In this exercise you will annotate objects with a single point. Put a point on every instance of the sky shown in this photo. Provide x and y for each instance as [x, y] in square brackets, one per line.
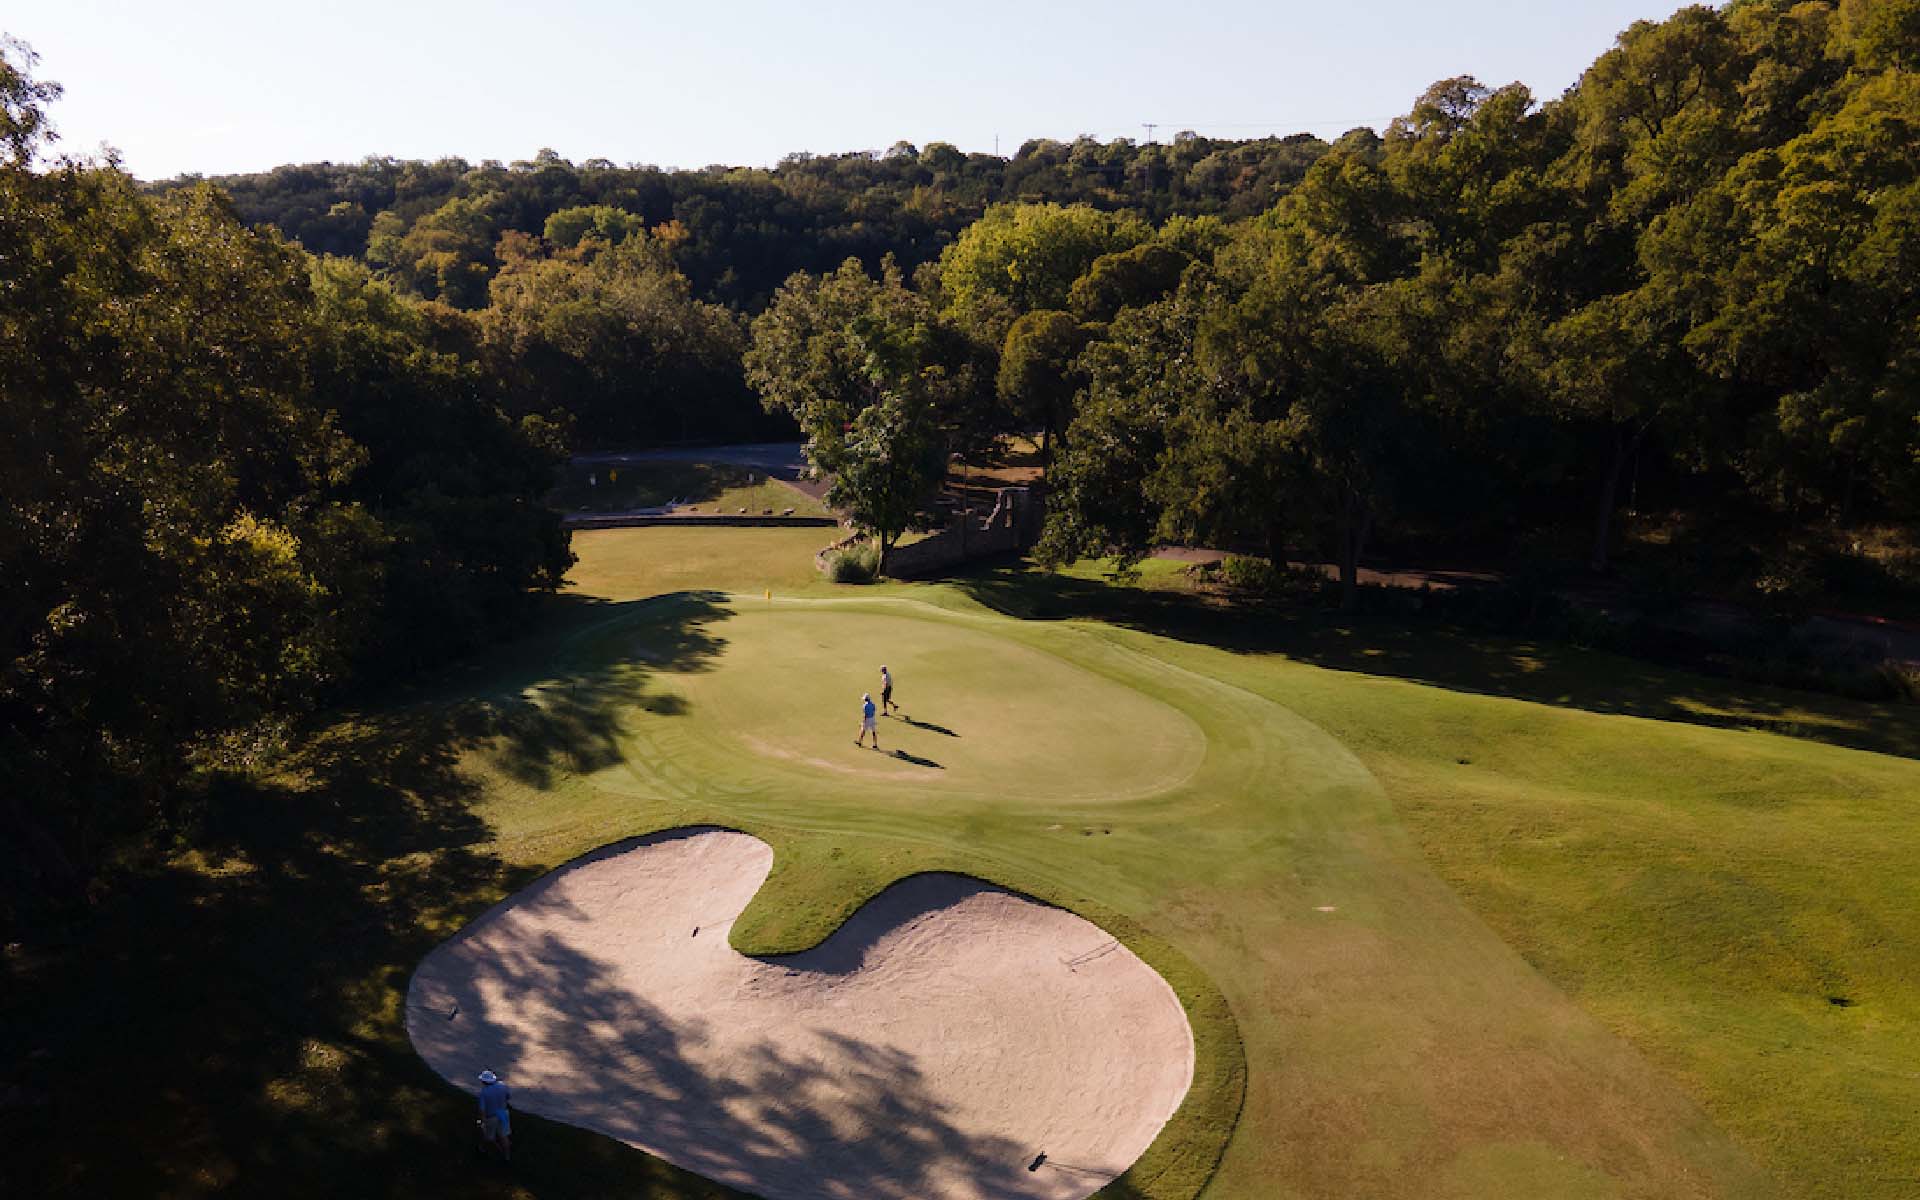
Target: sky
[222, 86]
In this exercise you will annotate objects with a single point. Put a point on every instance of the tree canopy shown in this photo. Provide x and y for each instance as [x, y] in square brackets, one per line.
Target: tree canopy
[235, 481]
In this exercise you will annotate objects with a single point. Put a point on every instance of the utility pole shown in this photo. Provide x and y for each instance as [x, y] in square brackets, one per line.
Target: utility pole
[1150, 126]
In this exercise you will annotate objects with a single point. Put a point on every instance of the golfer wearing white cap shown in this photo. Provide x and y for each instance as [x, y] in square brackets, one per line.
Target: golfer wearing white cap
[867, 725]
[495, 1125]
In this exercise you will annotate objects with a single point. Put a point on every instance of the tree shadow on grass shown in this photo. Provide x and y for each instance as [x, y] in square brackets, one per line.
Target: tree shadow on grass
[230, 1022]
[1427, 651]
[570, 719]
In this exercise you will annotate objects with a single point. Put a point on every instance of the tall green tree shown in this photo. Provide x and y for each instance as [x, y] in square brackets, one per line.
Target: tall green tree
[610, 334]
[220, 462]
[1038, 377]
[830, 346]
[892, 461]
[1795, 274]
[1020, 258]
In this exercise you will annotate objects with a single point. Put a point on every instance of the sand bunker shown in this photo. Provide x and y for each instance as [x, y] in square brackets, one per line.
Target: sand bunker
[936, 1045]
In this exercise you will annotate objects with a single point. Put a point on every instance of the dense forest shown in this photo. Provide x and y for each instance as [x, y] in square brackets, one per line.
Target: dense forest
[236, 482]
[271, 437]
[1688, 285]
[642, 344]
[1685, 278]
[740, 232]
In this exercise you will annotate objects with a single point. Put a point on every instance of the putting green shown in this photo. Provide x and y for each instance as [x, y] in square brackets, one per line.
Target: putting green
[979, 713]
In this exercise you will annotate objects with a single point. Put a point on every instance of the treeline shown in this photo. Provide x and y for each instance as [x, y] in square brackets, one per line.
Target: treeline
[1697, 273]
[235, 481]
[614, 299]
[739, 232]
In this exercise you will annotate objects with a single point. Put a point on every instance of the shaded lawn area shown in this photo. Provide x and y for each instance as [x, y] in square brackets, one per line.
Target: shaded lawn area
[1162, 601]
[710, 487]
[230, 1023]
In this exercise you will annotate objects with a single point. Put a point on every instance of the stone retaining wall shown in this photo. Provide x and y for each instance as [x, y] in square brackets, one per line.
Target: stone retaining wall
[1012, 526]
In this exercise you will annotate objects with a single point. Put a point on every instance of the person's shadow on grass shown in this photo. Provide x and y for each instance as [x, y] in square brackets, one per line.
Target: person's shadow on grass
[929, 726]
[916, 760]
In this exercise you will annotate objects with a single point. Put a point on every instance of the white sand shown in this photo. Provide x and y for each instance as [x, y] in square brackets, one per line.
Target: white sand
[944, 1037]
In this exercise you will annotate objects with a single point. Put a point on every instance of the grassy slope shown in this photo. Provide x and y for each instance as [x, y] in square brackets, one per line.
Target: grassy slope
[1399, 1047]
[615, 566]
[1744, 907]
[706, 486]
[1707, 892]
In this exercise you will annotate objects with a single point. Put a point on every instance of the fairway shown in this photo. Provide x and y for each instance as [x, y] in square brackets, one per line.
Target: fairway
[1358, 1028]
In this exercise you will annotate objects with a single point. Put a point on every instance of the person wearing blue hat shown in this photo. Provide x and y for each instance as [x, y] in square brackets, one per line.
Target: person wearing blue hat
[496, 1127]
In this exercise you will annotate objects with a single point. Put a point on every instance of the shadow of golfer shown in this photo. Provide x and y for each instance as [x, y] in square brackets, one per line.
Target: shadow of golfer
[929, 726]
[916, 760]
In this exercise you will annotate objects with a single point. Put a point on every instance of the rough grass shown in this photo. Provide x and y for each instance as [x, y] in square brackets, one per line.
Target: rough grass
[1593, 959]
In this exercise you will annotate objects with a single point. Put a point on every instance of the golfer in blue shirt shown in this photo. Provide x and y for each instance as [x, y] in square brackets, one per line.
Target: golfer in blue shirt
[495, 1125]
[867, 725]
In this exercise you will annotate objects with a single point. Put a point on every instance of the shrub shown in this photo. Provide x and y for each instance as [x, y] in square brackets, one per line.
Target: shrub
[1786, 589]
[1902, 679]
[1245, 574]
[1260, 579]
[855, 564]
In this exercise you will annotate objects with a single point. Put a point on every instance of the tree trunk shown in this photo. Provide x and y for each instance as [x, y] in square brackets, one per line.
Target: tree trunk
[1352, 528]
[1599, 556]
[880, 565]
[60, 880]
[1277, 545]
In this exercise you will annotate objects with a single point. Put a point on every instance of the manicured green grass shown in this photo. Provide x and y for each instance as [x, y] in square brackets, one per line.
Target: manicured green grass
[980, 713]
[1436, 940]
[710, 487]
[617, 565]
[1744, 907]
